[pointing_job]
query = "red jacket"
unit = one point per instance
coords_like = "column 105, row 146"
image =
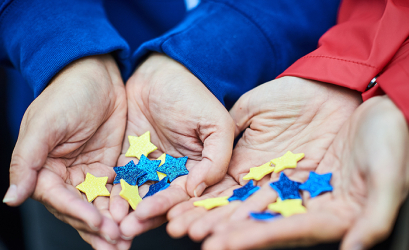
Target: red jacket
column 371, row 39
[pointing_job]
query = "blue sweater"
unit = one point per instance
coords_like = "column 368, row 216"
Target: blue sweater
column 230, row 45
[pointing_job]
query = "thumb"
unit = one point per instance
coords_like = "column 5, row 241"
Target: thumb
column 29, row 155
column 216, row 154
column 241, row 114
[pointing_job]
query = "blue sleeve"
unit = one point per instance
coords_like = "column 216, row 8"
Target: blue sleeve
column 233, row 46
column 39, row 38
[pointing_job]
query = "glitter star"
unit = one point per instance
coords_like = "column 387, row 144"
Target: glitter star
column 264, row 216
column 162, row 159
column 286, row 188
column 257, row 173
column 244, row 192
column 317, row 184
column 93, row 187
column 149, row 167
column 130, row 173
column 212, row 202
column 130, row 193
column 174, row 167
column 288, row 207
column 288, row 160
column 140, row 145
column 154, row 188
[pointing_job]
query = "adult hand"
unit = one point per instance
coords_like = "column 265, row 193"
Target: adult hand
column 184, row 119
column 370, row 166
column 74, row 127
column 289, row 113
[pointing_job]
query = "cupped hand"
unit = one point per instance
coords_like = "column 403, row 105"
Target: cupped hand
column 76, row 126
column 184, row 119
column 370, row 166
column 289, row 113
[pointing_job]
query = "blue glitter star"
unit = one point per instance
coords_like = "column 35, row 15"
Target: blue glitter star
column 130, row 173
column 317, row 184
column 154, row 188
column 244, row 192
column 263, row 216
column 149, row 167
column 286, row 188
column 174, row 167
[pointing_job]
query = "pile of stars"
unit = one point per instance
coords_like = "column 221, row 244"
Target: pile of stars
column 289, row 201
column 163, row 171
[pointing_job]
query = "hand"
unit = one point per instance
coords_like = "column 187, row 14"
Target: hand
column 75, row 126
column 289, row 113
column 369, row 162
column 184, row 119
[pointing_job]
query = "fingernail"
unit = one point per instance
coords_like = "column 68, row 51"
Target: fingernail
column 94, row 228
column 107, row 238
column 11, row 194
column 126, row 237
column 358, row 246
column 199, row 189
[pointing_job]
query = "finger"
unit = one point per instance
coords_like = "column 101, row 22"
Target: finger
column 241, row 114
column 181, row 208
column 216, row 155
column 109, row 228
column 118, row 207
column 132, row 226
column 96, row 242
column 178, row 227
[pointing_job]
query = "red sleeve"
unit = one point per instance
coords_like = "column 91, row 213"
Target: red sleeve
column 370, row 39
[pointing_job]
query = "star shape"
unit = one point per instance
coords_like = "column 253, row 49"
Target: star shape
column 93, row 187
column 244, row 192
column 174, row 167
column 130, row 173
column 162, row 161
column 317, row 184
column 149, row 167
column 130, row 193
column 286, row 188
column 212, row 202
column 288, row 207
column 264, row 216
column 154, row 188
column 140, row 145
column 288, row 160
column 257, row 173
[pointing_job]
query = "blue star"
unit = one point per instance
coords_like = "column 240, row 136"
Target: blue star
column 317, row 183
column 286, row 188
column 130, row 173
column 174, row 167
column 154, row 188
column 263, row 216
column 244, row 192
column 149, row 167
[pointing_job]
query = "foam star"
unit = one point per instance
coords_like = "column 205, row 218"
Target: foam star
column 140, row 145
column 154, row 188
column 212, row 202
column 149, row 167
column 286, row 188
column 244, row 192
column 130, row 173
column 288, row 160
column 288, row 207
column 174, row 167
column 264, row 216
column 162, row 159
column 317, row 184
column 93, row 187
column 130, row 193
column 257, row 173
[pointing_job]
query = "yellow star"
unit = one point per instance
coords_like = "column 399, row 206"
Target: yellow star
column 288, row 160
column 287, row 207
column 212, row 202
column 257, row 173
column 162, row 161
column 93, row 187
column 140, row 145
column 130, row 193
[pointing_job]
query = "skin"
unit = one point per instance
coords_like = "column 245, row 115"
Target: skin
column 369, row 162
column 75, row 126
column 184, row 119
column 289, row 113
